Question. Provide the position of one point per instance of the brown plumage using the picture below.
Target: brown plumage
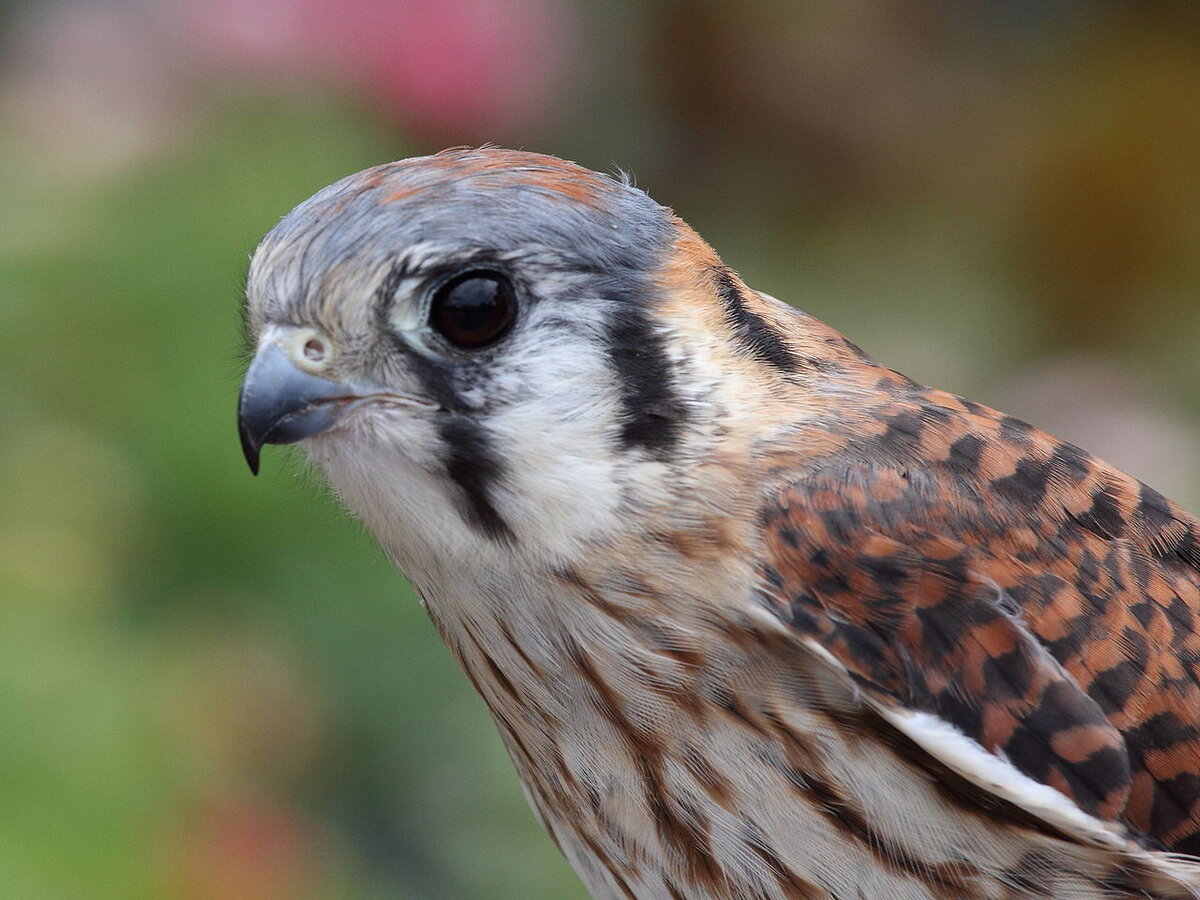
(960, 562)
(755, 615)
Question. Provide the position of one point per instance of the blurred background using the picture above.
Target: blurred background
(214, 687)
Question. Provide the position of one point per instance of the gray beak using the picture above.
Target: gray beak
(279, 404)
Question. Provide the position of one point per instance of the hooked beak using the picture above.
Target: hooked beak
(280, 404)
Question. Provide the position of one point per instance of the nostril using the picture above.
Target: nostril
(309, 350)
(314, 350)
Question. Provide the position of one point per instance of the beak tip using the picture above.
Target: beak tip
(278, 404)
(251, 449)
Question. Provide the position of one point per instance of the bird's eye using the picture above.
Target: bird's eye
(473, 309)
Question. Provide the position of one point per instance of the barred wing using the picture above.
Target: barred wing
(1055, 631)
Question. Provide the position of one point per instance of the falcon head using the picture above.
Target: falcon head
(488, 348)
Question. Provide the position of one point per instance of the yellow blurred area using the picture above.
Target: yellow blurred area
(215, 687)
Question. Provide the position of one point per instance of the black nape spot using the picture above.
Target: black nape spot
(652, 412)
(749, 328)
(472, 464)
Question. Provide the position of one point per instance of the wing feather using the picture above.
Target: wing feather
(965, 567)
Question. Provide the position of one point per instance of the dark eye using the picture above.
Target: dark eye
(473, 309)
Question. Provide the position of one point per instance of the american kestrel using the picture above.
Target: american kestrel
(756, 616)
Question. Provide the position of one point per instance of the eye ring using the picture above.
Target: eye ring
(474, 308)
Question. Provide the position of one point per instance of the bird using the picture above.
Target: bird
(755, 615)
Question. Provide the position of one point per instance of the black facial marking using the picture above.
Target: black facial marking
(437, 377)
(652, 412)
(749, 328)
(471, 461)
(472, 464)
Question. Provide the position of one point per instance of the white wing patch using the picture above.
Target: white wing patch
(998, 776)
(987, 770)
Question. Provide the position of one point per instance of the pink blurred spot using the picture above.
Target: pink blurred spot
(257, 34)
(239, 848)
(449, 67)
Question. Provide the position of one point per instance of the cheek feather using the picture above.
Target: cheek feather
(390, 473)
